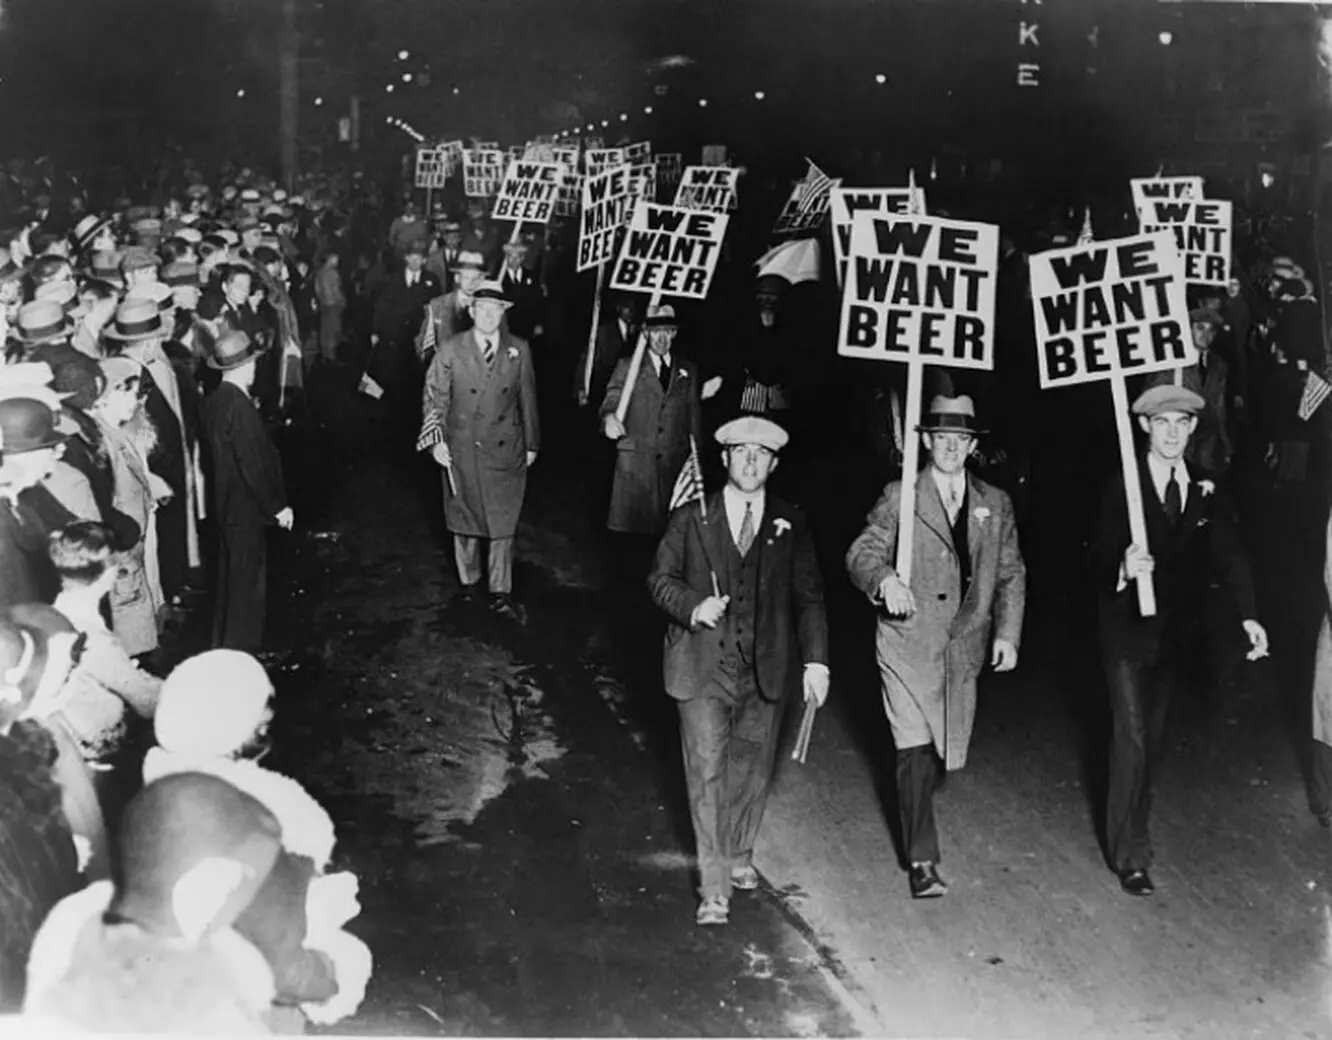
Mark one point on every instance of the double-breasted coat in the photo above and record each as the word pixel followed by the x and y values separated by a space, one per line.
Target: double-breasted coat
pixel 655 446
pixel 790 623
pixel 929 662
pixel 488 415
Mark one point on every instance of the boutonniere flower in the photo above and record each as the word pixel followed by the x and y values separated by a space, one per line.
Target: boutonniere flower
pixel 513 352
pixel 782 526
pixel 1206 487
pixel 981 513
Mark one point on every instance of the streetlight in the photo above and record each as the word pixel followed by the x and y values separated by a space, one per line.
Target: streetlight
pixel 406 77
pixel 605 122
pixel 702 102
pixel 624 117
pixel 319 101
pixel 403 55
pixel 388 89
pixel 241 92
pixel 759 95
pixel 880 79
pixel 1166 38
pixel 647 110
pixel 456 92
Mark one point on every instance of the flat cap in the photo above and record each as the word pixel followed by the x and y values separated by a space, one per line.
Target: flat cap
pixel 751 429
pixel 1168 398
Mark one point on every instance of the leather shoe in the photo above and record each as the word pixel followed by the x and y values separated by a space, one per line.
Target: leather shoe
pixel 926 882
pixel 1136 882
pixel 468 594
pixel 504 606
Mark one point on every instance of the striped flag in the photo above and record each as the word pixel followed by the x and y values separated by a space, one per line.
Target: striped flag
pixel 815 185
pixel 425 344
pixel 689 484
pixel 1316 390
pixel 432 432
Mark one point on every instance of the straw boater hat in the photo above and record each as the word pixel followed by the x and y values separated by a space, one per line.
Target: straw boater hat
pixel 491 292
pixel 43 321
pixel 61 292
pixel 232 350
pixel 158 293
pixel 136 320
pixel 87 230
pixel 951 415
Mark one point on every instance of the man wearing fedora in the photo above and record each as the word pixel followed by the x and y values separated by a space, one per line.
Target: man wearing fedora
pixel 739 579
pixel 962 610
pixel 397 318
pixel 443 259
pixel 28 511
pixel 248 494
pixel 615 339
pixel 480 423
pixel 1191 534
pixel 652 444
pixel 522 290
pixel 450 314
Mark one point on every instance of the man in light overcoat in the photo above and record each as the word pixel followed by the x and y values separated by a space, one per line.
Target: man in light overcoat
pixel 479 421
pixel 963 609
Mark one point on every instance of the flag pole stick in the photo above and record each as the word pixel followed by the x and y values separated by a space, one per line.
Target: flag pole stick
pixel 592 336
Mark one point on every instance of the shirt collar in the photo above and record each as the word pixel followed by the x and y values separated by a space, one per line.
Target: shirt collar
pixel 1161 471
pixel 737 499
pixel 944 482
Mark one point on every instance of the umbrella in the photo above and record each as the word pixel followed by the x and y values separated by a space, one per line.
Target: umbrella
pixel 796 261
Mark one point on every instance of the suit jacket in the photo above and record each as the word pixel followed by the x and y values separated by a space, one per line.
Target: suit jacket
pixel 246 469
pixel 607 349
pixel 1205 541
pixel 648 458
pixel 399 309
pixel 488 417
pixel 929 663
pixel 791 627
pixel 523 291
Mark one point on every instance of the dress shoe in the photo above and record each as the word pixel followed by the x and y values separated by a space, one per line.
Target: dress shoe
pixel 926 882
pixel 1136 882
pixel 467 595
pixel 744 878
pixel 713 910
pixel 504 606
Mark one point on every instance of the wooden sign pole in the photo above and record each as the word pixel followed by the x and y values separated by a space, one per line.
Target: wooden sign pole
pixel 592 336
pixel 906 515
pixel 1128 458
pixel 635 363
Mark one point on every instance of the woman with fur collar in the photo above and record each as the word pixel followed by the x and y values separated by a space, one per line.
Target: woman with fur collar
pixel 212 717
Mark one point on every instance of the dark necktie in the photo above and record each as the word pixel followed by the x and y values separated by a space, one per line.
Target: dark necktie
pixel 664 373
pixel 1173 506
pixel 746 538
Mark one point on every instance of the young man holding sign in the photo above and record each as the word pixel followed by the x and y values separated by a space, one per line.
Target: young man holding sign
pixel 1190 533
pixel 968 583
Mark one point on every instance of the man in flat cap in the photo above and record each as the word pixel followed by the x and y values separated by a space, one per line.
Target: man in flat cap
pixel 962 610
pixel 738 577
pixel 1191 533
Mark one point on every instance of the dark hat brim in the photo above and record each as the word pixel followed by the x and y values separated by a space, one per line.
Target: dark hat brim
pixel 236 360
pixel 951 424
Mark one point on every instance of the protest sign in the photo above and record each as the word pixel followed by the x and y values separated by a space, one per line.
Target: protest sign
pixel 1105 311
pixel 453 156
pixel 707 187
pixel 514 151
pixel 539 151
pixel 567 156
pixel 1144 188
pixel 571 193
pixel 638 153
pixel 643 181
pixel 431 167
pixel 607 206
pixel 593 144
pixel 845 203
pixel 483 172
pixel 600 159
pixel 666 251
pixel 485 146
pixel 669 165
pixel 1110 308
pixel 803 211
pixel 528 192
pixel 1202 230
pixel 921 290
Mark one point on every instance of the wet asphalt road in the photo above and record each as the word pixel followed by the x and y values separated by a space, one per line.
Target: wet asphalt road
pixel 509 796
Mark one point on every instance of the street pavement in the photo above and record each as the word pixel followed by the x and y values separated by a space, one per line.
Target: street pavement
pixel 512 801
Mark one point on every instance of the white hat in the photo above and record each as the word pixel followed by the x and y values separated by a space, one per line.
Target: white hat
pixel 752 429
pixel 212 703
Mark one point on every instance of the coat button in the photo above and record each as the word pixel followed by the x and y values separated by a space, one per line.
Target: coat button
pixel 473 389
pixel 501 444
pixel 478 444
pixel 943 595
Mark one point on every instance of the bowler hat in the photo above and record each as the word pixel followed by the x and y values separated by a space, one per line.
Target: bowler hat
pixel 136 320
pixel 73 373
pixel 1166 397
pixel 42 321
pixel 27 425
pixel 491 292
pixel 951 415
pixel 171 827
pixel 233 349
pixel 752 429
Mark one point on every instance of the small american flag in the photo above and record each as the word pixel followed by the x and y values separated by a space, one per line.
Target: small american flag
pixel 689 484
pixel 815 185
pixel 426 346
pixel 432 432
pixel 1316 390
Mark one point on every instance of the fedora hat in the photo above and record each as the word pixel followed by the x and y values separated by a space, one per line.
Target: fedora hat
pixel 180 272
pixel 491 292
pixel 137 258
pixel 951 415
pixel 26 425
pixel 469 259
pixel 87 230
pixel 42 321
pixel 661 317
pixel 233 349
pixel 136 320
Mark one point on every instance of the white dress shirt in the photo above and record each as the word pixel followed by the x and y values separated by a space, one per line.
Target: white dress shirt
pixel 1160 473
pixel 734 501
pixel 657 361
pixel 955 484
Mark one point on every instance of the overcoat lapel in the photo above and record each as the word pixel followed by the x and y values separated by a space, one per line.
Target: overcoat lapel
pixel 930 509
pixel 976 498
pixel 713 534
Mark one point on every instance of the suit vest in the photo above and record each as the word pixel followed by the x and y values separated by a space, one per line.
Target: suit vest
pixel 961 543
pixel 742 613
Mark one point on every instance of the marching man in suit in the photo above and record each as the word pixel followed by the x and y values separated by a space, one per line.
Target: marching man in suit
pixel 451 314
pixel 479 422
pixel 962 610
pixel 739 580
pixel 1191 533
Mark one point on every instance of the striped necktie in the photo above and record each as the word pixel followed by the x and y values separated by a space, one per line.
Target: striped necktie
pixel 491 346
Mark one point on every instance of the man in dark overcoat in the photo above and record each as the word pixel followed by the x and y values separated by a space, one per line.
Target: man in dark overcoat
pixel 480 423
pixel 1191 534
pixel 652 444
pixel 739 580
pixel 397 318
pixel 450 314
pixel 615 339
pixel 248 492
